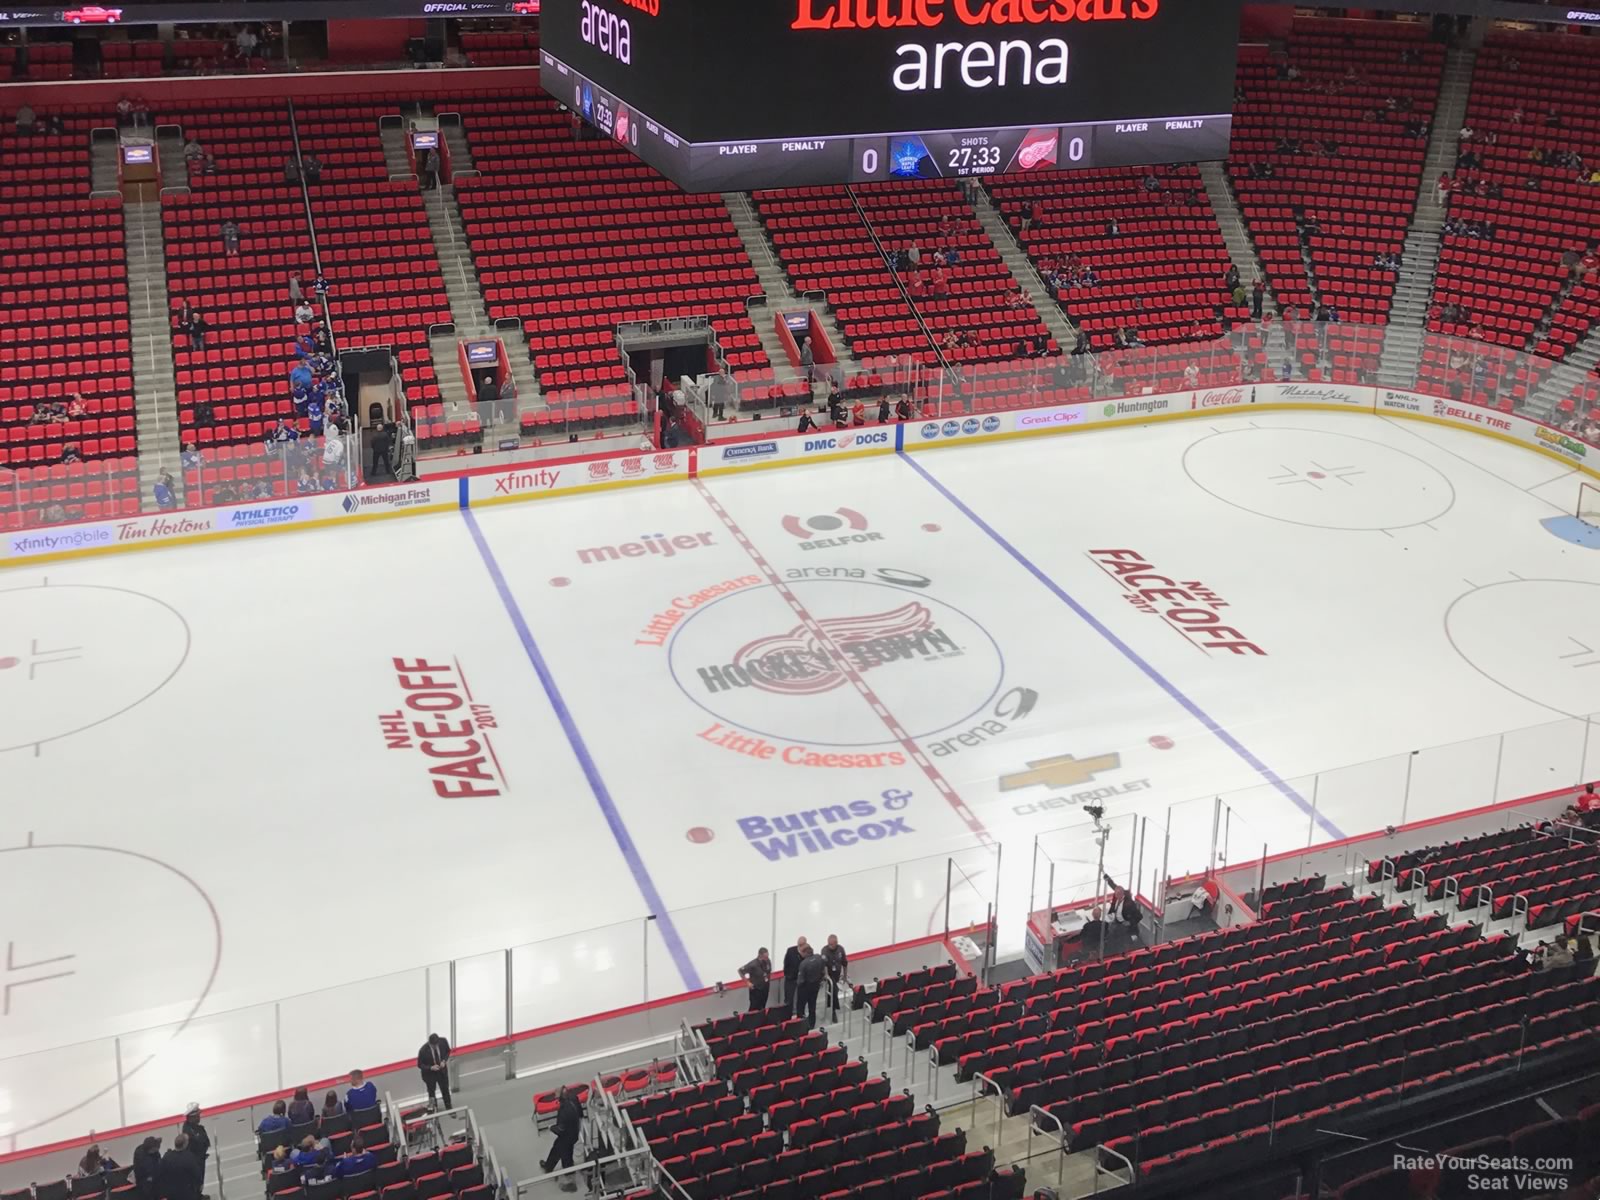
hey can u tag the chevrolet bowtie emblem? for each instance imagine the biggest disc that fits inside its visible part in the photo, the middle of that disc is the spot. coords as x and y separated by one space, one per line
1062 771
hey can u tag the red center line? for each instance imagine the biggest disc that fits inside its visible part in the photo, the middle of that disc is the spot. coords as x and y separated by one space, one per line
890 721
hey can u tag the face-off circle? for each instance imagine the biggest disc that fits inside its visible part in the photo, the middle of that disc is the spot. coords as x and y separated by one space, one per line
83 969
80 655
1319 479
1537 638
751 662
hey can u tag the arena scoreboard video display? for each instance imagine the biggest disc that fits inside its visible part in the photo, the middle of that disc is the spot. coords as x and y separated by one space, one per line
730 95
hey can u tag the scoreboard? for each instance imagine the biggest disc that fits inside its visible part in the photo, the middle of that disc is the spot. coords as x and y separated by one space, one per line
728 95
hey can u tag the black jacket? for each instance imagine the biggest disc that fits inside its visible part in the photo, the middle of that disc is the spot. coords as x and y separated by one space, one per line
791 962
569 1116
811 969
834 958
179 1176
146 1168
425 1055
199 1142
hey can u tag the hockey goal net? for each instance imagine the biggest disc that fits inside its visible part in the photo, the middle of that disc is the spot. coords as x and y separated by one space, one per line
1589 504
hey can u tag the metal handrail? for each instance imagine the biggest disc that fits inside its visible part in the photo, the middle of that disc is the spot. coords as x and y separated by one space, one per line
1104 1149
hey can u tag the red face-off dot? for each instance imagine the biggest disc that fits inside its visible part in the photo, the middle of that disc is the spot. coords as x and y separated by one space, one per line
699 835
1161 742
560 581
1315 475
8 661
930 528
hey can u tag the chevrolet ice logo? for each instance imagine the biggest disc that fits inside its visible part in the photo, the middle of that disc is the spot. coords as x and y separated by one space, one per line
1062 771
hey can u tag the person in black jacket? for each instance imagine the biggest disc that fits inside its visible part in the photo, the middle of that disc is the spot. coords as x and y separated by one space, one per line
431 1060
181 1174
791 967
808 983
758 973
837 962
199 1141
146 1167
569 1123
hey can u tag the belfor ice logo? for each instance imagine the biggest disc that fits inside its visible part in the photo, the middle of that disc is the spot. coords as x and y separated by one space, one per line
847 524
824 523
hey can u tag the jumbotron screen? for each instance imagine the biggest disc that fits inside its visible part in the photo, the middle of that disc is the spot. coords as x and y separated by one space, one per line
729 95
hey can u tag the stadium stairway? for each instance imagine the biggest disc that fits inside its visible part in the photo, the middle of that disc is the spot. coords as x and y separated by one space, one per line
155 390
467 309
1241 247
169 148
1566 376
1413 290
1021 267
103 165
779 292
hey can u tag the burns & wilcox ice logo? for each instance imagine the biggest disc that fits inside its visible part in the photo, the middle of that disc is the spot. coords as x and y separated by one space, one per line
818 656
831 827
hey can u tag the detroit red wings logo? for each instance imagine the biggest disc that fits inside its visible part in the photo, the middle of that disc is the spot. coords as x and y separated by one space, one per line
800 663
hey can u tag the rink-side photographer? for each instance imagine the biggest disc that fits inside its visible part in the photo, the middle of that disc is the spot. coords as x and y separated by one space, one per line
1486 1174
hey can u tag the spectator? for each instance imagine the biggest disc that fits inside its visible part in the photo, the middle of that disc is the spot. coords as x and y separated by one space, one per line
124 112
147 1167
758 971
1230 280
95 1163
914 255
1027 215
199 1139
1191 376
902 409
301 1110
71 454
858 413
1555 957
808 361
311 1160
1442 189
332 1106
1092 935
361 1096
836 962
431 1059
1583 953
312 166
76 409
304 314
230 238
280 1162
191 457
296 293
198 327
569 1124
193 151
1258 296
360 1160
164 497
291 171
181 1172
1112 228
306 484
808 984
275 1121
26 122
883 410
281 433
245 42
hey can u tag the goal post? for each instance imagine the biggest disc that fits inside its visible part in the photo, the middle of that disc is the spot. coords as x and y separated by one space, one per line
1589 504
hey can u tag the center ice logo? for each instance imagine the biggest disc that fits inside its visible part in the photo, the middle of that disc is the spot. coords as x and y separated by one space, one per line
818 657
832 827
929 664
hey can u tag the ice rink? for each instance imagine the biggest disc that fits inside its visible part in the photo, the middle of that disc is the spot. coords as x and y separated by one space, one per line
236 774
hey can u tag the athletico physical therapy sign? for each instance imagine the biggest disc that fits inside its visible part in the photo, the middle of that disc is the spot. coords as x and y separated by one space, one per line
567 477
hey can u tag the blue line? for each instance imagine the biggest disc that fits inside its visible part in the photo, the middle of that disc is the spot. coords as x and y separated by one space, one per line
591 772
1128 652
